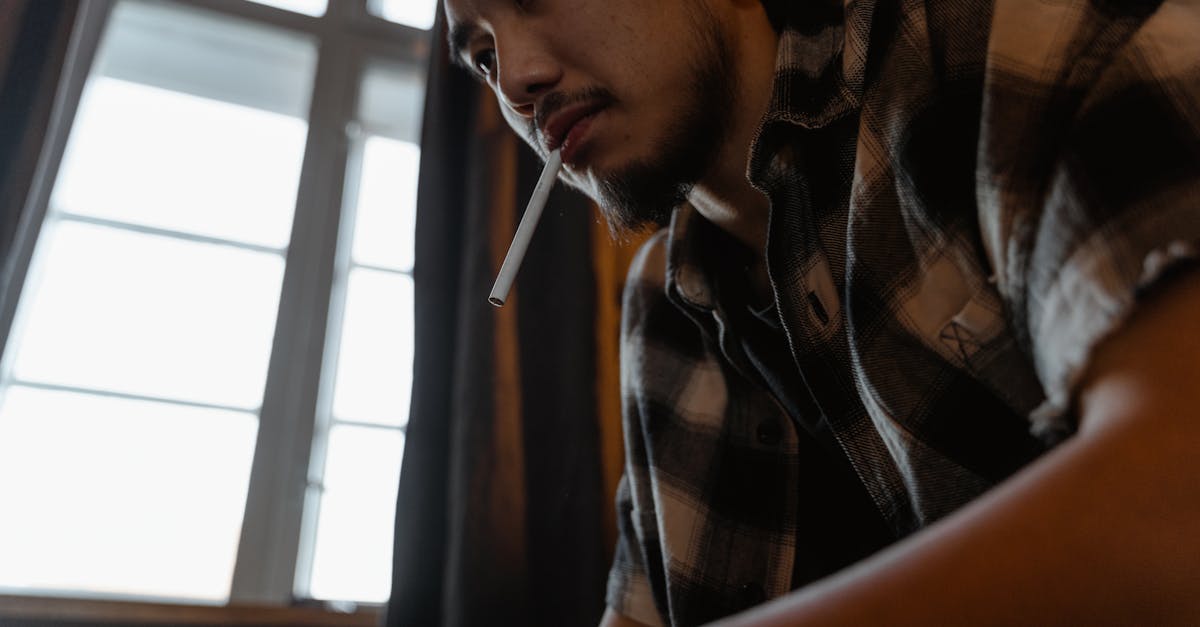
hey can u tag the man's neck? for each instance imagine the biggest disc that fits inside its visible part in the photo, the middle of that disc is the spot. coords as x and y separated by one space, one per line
725 197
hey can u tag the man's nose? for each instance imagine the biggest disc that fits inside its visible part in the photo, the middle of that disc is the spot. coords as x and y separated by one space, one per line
526 71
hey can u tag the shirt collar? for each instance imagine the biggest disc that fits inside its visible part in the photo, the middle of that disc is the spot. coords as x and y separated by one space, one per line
819 73
698 253
820 70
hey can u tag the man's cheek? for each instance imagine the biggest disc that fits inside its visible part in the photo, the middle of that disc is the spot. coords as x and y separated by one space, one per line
522 126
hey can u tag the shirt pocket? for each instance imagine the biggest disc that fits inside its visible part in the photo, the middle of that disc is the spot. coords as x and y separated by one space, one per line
957 312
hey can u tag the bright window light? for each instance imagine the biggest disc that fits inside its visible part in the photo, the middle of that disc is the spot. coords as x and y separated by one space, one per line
416 13
170 160
353 555
149 315
111 496
374 367
315 8
392 101
385 220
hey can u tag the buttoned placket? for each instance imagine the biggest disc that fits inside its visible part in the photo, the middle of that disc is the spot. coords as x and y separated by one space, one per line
812 320
699 296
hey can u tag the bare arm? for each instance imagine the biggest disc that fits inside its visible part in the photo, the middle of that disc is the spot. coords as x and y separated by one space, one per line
1104 530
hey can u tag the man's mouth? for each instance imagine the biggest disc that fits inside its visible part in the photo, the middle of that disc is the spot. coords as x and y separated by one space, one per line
566 129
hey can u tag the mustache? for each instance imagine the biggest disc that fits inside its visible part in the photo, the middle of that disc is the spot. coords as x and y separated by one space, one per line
554 102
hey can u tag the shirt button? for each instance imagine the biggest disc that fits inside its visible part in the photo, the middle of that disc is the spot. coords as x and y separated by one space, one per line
751 594
769 433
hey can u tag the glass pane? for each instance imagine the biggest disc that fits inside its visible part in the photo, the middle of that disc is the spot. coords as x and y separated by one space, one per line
203 53
165 159
392 100
308 7
119 497
353 556
417 13
374 367
143 314
386 213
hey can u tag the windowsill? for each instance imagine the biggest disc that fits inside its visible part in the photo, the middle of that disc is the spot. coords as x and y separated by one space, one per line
50 609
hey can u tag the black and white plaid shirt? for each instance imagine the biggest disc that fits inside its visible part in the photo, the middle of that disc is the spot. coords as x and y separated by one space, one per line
960 213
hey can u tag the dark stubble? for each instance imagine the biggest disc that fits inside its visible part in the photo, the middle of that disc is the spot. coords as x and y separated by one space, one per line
644 193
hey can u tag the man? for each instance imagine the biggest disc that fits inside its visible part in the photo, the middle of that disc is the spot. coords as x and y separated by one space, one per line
927 277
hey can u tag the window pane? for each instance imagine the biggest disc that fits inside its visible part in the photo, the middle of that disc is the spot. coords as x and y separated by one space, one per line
210 55
385 217
307 7
352 560
374 367
392 100
110 496
418 13
143 314
164 159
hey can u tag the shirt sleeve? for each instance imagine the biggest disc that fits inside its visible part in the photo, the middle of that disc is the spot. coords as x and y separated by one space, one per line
1116 206
629 592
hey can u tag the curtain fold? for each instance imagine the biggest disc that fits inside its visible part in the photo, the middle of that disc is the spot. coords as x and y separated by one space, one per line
504 514
34 35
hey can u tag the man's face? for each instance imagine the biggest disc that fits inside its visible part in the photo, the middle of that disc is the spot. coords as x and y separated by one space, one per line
638 94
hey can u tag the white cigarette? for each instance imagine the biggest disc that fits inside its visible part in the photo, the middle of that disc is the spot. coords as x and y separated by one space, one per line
529 222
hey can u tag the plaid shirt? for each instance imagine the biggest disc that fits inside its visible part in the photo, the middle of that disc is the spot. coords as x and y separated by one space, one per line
959 215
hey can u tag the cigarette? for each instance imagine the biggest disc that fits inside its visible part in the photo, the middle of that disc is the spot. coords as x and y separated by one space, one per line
529 222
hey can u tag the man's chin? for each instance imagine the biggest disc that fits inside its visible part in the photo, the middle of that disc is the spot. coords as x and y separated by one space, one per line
639 199
632 200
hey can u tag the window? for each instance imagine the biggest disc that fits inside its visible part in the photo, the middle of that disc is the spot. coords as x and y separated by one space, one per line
205 387
418 14
315 8
352 495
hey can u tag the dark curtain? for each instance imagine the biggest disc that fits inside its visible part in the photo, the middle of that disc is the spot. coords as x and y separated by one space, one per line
504 509
33 43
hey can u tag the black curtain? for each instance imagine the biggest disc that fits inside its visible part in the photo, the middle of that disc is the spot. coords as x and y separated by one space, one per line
502 507
33 44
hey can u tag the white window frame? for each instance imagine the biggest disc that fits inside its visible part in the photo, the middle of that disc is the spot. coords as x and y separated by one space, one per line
273 561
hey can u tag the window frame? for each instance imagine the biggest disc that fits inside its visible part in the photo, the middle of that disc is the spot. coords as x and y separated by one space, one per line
274 553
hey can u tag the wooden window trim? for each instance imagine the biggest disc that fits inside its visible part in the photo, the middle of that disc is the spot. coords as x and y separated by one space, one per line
49 609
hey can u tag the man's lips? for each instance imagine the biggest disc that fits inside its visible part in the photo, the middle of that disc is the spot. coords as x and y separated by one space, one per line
558 127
